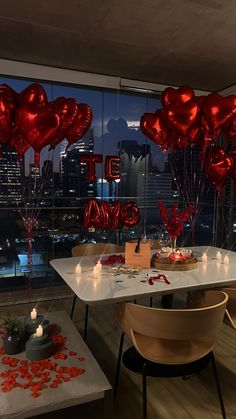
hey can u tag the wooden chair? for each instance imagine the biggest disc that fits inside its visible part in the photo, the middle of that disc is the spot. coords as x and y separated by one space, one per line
171 343
89 249
230 312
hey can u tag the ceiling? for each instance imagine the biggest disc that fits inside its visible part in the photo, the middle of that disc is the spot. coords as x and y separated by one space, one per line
172 42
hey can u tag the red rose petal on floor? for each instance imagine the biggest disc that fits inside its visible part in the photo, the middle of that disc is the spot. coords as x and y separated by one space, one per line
72 353
81 358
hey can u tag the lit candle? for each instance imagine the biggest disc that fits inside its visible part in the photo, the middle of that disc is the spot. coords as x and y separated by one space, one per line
226 260
204 258
33 314
99 266
78 270
218 256
39 331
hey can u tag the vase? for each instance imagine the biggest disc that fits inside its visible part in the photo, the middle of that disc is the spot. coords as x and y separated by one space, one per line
12 343
173 243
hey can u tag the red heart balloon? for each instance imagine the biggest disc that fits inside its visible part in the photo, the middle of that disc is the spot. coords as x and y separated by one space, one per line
81 124
182 117
230 129
18 143
153 127
9 93
66 109
6 117
233 172
176 96
217 166
217 110
34 94
37 124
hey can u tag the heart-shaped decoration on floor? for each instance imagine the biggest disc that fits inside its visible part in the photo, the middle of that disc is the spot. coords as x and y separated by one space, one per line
177 96
218 110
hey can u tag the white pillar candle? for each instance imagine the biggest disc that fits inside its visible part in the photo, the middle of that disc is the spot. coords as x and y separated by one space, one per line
226 260
78 270
33 314
218 256
39 331
204 257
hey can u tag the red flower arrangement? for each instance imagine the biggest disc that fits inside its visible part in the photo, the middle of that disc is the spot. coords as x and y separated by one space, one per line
173 218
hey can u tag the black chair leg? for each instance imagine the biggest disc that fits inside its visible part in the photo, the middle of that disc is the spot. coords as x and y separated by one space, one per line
118 364
144 394
150 302
86 322
73 307
218 387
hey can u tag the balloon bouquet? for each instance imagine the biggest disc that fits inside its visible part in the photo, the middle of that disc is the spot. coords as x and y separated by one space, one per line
28 119
190 123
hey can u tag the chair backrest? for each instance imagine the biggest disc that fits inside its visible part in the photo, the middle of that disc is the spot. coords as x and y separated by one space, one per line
230 313
173 336
89 249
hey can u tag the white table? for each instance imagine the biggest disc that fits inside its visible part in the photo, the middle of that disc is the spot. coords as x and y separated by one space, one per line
92 385
110 288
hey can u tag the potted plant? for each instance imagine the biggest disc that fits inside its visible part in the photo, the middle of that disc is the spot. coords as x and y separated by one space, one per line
14 329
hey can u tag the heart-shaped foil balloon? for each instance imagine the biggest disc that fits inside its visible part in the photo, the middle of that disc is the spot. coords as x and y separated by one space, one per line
66 109
6 117
18 143
38 124
182 117
176 96
34 94
153 127
218 166
218 110
81 124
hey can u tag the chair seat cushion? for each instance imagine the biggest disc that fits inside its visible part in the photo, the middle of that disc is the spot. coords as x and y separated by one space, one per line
135 362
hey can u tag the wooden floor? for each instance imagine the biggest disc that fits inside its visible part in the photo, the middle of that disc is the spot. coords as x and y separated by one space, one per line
174 398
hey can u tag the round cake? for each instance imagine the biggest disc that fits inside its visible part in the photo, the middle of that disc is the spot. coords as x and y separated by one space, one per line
178 260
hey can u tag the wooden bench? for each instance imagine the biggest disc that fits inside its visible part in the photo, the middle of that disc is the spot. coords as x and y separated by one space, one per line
90 386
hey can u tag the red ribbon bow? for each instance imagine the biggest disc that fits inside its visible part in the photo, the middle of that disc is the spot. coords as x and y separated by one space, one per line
112 259
159 277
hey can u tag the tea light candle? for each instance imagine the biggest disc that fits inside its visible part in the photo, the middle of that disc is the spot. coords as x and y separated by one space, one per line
39 331
218 256
99 266
204 258
226 260
33 314
96 272
78 270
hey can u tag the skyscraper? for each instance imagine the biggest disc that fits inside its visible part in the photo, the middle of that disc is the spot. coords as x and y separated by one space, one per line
11 177
73 172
